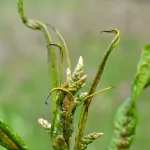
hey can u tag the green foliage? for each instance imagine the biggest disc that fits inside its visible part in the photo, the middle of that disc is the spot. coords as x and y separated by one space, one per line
9 139
126 118
66 98
64 105
84 113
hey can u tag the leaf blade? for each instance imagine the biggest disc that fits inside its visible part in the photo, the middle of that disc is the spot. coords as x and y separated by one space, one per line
10 139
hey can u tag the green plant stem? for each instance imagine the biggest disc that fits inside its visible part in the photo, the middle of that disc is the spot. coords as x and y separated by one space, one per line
37 25
84 112
64 45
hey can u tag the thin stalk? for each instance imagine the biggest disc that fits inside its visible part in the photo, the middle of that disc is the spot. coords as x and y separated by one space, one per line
84 112
61 49
58 34
37 25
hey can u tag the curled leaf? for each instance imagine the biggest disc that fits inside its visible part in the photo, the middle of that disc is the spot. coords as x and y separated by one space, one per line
84 113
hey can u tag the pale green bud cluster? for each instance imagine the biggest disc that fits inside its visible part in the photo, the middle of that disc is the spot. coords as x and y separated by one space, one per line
76 80
89 139
45 124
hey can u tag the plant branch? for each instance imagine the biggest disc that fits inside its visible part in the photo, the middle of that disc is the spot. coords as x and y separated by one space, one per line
84 112
37 25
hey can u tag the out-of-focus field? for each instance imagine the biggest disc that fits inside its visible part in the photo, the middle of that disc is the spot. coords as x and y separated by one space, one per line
24 79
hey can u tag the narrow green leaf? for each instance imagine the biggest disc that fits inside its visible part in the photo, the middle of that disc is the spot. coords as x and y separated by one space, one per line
10 139
84 112
38 25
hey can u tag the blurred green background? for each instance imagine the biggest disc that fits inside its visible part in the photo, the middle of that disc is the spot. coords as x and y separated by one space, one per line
24 82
